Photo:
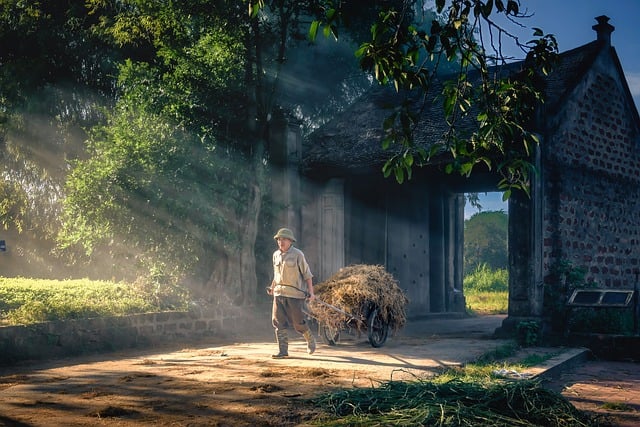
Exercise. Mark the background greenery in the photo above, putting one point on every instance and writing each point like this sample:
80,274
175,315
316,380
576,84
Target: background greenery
486,278
485,241
25,301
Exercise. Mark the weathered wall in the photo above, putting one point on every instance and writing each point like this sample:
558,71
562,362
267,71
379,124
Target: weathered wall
50,340
411,229
592,186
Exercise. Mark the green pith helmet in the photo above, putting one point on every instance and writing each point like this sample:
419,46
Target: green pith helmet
286,233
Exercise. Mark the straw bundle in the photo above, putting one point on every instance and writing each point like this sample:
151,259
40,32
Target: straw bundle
357,289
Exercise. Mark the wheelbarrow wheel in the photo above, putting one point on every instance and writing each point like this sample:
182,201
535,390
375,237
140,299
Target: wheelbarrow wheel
377,328
329,334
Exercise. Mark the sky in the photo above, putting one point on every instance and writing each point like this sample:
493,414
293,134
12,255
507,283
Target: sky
571,21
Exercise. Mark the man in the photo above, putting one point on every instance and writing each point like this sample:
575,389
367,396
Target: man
292,284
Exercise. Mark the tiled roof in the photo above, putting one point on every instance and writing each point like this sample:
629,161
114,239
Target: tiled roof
351,144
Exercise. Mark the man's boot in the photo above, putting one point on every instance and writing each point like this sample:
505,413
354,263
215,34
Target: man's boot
311,341
283,344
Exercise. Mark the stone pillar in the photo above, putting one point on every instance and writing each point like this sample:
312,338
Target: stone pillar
536,291
437,234
455,243
526,287
332,238
285,152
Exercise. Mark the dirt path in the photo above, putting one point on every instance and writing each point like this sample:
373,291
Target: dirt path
609,389
225,383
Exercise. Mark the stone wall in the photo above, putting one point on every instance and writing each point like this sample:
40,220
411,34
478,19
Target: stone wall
592,191
51,340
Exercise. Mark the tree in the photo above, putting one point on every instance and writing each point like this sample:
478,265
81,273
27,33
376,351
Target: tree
164,184
54,80
500,101
485,241
207,85
172,181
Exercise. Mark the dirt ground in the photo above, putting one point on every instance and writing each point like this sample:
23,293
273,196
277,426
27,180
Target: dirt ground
237,383
606,388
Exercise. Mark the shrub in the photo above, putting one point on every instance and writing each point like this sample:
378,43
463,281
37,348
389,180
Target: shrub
484,279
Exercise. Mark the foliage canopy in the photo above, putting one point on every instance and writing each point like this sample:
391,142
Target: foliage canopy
501,101
485,241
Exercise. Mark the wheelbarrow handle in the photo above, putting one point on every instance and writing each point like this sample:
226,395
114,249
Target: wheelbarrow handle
339,310
270,289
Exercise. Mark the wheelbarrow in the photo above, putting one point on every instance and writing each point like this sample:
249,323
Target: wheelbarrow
372,322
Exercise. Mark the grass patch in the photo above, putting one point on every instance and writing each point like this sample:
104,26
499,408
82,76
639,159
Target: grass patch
460,397
27,301
501,352
487,291
487,302
617,406
472,395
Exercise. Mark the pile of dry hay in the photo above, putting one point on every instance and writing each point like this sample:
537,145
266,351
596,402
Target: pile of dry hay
355,290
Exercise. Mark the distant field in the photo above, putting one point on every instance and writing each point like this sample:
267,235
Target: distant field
25,301
488,302
487,290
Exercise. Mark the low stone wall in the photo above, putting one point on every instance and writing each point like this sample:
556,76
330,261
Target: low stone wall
51,340
625,348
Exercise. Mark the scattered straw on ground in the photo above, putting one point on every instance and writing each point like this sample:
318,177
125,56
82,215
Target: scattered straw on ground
356,290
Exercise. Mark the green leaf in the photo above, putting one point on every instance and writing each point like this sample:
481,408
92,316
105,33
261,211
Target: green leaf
326,30
386,169
466,168
488,7
362,50
408,160
253,9
386,142
313,30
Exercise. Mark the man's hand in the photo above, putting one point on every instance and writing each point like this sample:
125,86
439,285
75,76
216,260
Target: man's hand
269,290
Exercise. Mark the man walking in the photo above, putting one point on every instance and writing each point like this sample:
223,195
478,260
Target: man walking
292,284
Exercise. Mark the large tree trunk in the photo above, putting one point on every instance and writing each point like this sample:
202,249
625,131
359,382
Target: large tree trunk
249,231
233,276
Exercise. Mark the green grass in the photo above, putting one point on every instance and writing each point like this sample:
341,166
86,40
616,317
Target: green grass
27,301
472,395
617,406
487,291
487,302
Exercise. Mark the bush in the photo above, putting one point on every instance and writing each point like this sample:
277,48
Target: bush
484,279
